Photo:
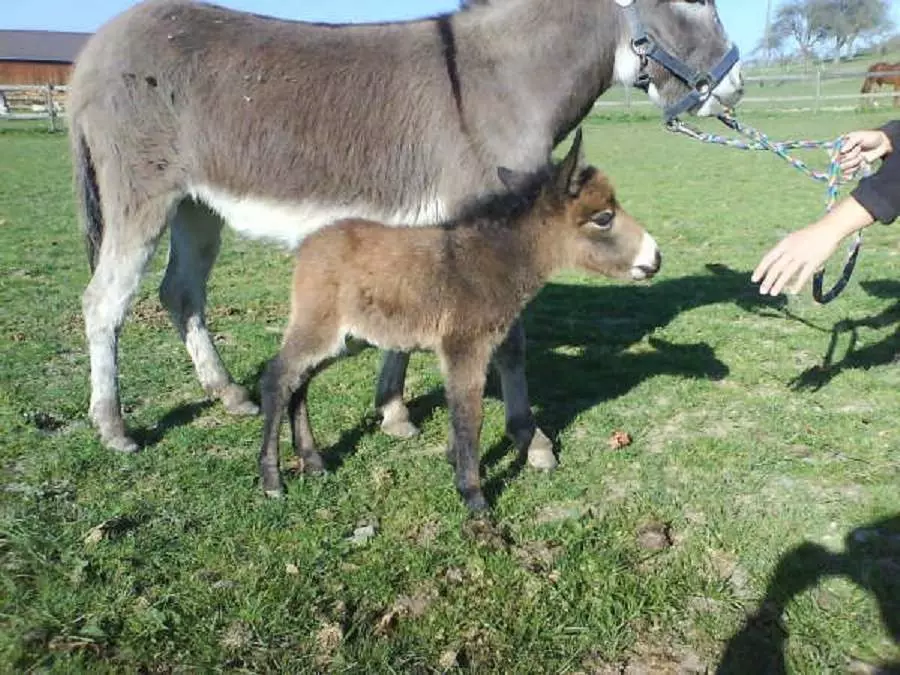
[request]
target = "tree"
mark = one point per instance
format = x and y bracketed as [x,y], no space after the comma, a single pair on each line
[804,22]
[846,21]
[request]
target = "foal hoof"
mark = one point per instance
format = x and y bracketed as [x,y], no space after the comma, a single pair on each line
[476,502]
[121,444]
[540,452]
[311,464]
[275,494]
[237,401]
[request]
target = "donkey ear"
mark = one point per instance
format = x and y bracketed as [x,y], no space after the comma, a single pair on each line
[514,181]
[570,167]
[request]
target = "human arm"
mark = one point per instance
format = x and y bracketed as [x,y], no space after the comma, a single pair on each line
[879,193]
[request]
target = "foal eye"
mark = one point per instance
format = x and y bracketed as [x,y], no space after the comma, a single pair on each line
[603,219]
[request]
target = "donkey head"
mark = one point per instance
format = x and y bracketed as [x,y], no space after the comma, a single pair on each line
[678,52]
[590,229]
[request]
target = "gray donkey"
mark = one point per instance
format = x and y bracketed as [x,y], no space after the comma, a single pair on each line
[463,285]
[190,116]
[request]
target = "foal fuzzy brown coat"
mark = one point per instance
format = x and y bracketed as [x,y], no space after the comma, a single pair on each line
[454,289]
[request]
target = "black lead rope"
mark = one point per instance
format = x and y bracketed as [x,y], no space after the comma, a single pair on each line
[841,283]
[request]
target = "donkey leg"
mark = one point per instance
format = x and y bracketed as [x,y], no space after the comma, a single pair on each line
[196,236]
[464,371]
[123,256]
[389,396]
[509,360]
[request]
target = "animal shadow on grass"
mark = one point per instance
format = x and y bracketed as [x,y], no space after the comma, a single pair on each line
[178,416]
[871,560]
[578,341]
[878,354]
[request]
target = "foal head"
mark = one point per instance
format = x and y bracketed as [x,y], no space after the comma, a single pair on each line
[588,229]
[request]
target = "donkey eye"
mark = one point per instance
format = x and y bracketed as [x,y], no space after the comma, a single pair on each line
[603,219]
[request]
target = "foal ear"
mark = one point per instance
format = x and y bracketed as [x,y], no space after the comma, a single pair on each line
[570,167]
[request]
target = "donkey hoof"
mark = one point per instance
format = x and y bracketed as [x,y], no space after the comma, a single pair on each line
[400,429]
[237,401]
[121,444]
[277,493]
[540,452]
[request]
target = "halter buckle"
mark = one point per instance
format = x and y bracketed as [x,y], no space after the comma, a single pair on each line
[642,45]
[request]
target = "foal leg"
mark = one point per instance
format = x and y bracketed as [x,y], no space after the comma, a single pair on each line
[464,369]
[126,247]
[301,431]
[521,428]
[389,396]
[196,236]
[287,378]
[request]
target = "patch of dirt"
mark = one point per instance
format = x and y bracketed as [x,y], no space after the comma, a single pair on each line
[539,556]
[327,639]
[449,660]
[424,532]
[655,536]
[619,440]
[727,568]
[406,606]
[554,513]
[150,312]
[649,659]
[484,532]
[236,637]
[44,421]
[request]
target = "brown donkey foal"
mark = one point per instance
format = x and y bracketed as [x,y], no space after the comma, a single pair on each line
[454,288]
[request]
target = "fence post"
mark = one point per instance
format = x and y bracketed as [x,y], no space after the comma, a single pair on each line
[51,108]
[818,104]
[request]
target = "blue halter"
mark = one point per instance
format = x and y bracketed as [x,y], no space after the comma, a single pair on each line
[701,85]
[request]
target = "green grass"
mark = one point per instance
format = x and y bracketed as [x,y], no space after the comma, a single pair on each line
[751,463]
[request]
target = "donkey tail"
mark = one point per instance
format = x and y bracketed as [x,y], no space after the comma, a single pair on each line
[88,195]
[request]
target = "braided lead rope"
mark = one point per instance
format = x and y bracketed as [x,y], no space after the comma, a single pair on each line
[832,178]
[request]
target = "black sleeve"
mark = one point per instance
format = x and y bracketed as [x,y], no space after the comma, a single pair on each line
[879,194]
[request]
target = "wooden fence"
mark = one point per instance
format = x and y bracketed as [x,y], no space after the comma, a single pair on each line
[818,90]
[33,102]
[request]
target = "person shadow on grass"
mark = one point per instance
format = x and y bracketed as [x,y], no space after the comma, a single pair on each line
[871,560]
[879,353]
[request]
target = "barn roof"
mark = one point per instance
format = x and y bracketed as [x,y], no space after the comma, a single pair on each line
[40,45]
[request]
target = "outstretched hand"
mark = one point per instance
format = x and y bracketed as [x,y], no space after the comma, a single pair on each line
[797,257]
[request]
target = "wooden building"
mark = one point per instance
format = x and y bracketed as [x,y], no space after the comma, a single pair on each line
[38,56]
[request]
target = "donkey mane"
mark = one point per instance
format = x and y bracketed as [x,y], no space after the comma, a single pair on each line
[506,208]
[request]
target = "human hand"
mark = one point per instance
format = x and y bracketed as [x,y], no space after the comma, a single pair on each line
[796,257]
[801,253]
[861,147]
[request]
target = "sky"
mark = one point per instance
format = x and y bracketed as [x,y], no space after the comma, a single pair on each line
[744,19]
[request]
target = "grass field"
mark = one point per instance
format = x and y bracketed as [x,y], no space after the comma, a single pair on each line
[753,523]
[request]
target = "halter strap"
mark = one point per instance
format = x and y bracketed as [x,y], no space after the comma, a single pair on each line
[701,84]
